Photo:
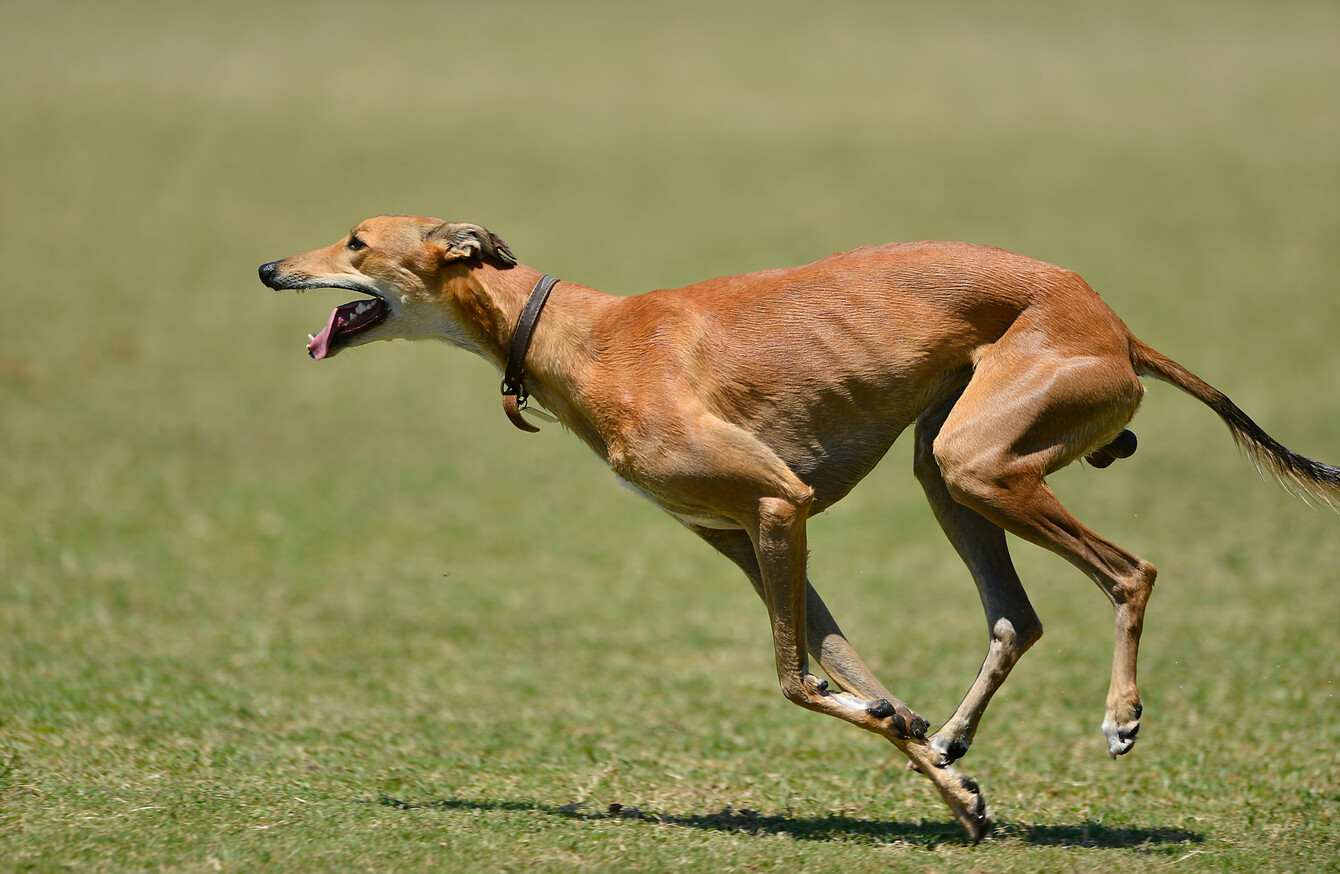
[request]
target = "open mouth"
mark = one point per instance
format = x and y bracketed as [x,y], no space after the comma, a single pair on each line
[346,321]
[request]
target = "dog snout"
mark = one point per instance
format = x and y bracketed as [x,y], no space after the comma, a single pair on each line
[268,271]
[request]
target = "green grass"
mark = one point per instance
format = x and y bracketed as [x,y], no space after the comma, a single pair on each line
[263,614]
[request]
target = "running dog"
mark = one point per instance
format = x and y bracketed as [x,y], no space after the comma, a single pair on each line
[744,405]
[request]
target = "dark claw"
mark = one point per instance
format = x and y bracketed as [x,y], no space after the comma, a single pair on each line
[971,785]
[919,726]
[881,709]
[1139,710]
[900,726]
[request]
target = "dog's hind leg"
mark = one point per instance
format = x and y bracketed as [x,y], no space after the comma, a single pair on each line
[1011,623]
[1030,409]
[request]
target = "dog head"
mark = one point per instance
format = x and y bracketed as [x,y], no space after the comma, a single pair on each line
[400,263]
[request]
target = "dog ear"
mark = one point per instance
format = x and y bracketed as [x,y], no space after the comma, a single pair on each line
[462,241]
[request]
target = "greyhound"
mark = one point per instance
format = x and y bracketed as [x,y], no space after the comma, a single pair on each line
[744,405]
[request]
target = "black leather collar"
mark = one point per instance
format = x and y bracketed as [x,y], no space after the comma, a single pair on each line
[513,385]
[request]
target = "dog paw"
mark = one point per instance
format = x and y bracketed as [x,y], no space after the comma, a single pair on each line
[1122,733]
[815,685]
[968,805]
[950,748]
[977,819]
[906,724]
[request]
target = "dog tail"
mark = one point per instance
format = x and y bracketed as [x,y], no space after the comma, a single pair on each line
[1296,473]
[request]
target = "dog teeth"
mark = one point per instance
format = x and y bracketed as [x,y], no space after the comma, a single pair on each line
[363,307]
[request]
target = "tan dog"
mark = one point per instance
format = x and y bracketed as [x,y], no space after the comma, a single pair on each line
[743,405]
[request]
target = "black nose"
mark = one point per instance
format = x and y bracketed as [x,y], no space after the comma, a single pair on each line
[268,271]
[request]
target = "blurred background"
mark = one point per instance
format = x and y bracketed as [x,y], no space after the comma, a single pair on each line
[195,518]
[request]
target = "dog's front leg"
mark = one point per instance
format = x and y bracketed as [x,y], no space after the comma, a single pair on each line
[779,542]
[840,661]
[824,639]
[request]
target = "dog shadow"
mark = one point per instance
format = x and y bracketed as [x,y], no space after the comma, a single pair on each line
[836,827]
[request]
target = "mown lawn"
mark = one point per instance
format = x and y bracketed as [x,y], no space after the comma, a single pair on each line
[258,613]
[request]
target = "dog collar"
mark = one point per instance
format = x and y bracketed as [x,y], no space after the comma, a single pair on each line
[514,391]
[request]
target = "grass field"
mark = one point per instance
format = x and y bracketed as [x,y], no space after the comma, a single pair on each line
[261,614]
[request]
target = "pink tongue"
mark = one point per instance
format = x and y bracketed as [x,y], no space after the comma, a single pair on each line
[320,346]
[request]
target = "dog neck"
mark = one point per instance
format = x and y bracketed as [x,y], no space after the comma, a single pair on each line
[561,347]
[514,391]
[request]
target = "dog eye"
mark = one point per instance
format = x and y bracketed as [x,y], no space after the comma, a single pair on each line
[355,245]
